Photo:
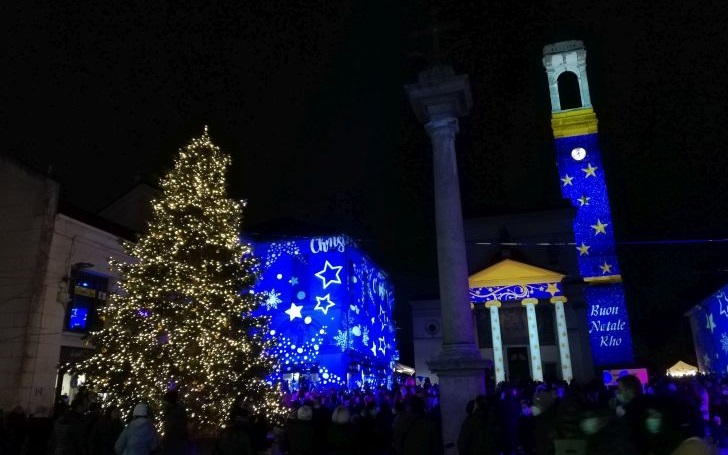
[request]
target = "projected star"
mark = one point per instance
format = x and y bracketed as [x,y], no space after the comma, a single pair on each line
[294,311]
[599,228]
[706,360]
[552,289]
[606,268]
[293,281]
[382,346]
[583,249]
[567,179]
[584,200]
[327,300]
[325,274]
[590,171]
[710,325]
[722,298]
[374,348]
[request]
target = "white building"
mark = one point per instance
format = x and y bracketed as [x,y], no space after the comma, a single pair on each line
[53,274]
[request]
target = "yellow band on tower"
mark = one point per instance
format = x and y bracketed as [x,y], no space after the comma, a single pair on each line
[574,122]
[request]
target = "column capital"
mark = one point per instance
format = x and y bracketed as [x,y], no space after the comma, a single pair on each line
[529,301]
[559,298]
[447,125]
[493,303]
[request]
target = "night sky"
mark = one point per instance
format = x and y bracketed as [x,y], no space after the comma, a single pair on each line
[307,97]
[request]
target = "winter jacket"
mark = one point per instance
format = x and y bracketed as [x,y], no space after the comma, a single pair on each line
[138,438]
[69,437]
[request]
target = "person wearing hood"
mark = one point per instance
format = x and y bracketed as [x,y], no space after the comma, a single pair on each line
[139,437]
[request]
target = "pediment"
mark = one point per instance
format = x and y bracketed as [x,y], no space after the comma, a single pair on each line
[510,272]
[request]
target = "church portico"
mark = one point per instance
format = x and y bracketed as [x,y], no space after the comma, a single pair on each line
[523,324]
[521,287]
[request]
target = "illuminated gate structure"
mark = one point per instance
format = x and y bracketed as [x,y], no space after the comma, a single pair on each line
[330,310]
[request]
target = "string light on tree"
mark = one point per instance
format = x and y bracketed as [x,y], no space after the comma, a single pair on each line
[183,318]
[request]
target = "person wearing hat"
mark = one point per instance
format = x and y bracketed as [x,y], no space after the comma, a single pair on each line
[139,437]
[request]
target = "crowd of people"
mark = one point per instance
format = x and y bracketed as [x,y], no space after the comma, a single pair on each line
[666,417]
[82,427]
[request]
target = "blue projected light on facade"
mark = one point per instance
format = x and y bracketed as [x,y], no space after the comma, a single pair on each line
[709,326]
[608,324]
[330,311]
[77,318]
[583,183]
[515,292]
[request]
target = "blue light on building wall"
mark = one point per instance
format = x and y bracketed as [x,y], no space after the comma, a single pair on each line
[709,326]
[330,311]
[77,318]
[583,183]
[608,325]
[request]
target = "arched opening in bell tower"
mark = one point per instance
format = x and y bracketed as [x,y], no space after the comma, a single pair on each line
[569,93]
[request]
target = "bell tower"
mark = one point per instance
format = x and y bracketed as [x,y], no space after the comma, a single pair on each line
[582,182]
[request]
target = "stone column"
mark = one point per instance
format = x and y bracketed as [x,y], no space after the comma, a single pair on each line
[536,370]
[495,331]
[564,354]
[438,99]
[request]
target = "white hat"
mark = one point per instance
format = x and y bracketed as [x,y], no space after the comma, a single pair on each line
[140,410]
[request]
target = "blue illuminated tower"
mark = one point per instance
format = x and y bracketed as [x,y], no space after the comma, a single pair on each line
[582,181]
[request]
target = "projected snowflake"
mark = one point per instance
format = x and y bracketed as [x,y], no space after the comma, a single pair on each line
[272,299]
[337,311]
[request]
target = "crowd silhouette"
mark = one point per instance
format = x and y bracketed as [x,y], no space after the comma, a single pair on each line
[669,416]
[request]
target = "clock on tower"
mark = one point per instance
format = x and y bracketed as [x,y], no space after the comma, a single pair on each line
[582,181]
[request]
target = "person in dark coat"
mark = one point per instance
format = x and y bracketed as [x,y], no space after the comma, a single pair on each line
[235,439]
[543,411]
[630,410]
[414,433]
[105,432]
[476,432]
[16,429]
[301,433]
[176,440]
[341,435]
[68,437]
[40,427]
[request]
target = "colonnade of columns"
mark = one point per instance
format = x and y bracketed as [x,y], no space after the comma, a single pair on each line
[533,341]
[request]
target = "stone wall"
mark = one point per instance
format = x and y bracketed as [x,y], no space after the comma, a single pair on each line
[28,203]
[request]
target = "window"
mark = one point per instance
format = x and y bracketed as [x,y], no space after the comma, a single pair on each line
[88,292]
[569,93]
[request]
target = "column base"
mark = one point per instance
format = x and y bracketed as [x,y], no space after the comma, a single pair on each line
[460,370]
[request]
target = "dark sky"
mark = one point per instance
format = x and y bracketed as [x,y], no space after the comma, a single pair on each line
[307,97]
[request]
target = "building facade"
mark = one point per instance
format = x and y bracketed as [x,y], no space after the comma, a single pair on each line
[558,310]
[54,273]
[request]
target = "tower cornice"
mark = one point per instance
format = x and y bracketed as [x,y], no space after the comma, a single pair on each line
[574,122]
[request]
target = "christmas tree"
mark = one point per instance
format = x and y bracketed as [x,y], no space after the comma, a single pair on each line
[182,316]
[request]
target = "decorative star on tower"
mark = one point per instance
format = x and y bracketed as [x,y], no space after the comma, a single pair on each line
[567,179]
[325,274]
[583,200]
[324,309]
[294,311]
[590,170]
[599,228]
[606,268]
[583,249]
[710,325]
